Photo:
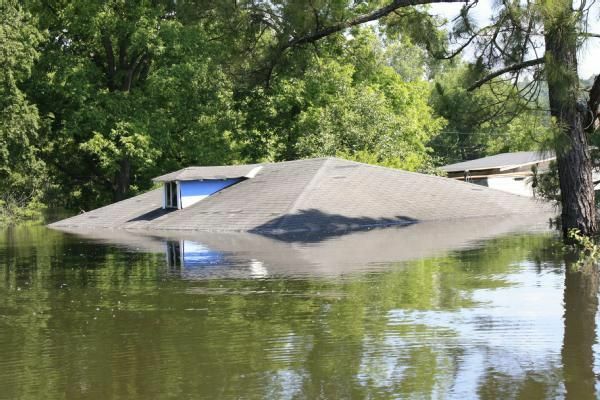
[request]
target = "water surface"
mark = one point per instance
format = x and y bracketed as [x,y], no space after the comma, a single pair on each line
[431,312]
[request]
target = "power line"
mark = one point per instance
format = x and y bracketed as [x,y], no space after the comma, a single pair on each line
[492,133]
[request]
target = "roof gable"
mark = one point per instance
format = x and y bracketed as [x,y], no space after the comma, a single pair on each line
[205,173]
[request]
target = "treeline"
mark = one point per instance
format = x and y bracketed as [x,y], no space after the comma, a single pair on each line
[98,96]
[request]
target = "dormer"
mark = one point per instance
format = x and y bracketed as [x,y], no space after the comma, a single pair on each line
[188,186]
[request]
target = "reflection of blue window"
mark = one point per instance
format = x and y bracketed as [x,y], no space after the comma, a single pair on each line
[174,254]
[197,255]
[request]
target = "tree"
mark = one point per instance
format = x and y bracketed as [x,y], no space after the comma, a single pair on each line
[348,101]
[507,47]
[22,173]
[134,88]
[484,122]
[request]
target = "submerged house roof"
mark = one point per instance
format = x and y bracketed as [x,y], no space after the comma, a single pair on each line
[501,162]
[322,194]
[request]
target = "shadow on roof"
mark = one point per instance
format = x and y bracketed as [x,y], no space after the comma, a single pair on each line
[312,225]
[152,215]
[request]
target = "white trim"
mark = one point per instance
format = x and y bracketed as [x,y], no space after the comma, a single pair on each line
[169,187]
[253,172]
[507,167]
[164,205]
[178,195]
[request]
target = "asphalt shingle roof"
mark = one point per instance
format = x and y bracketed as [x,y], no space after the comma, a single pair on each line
[196,173]
[503,161]
[324,194]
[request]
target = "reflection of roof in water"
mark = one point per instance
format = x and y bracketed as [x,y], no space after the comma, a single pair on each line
[315,195]
[334,255]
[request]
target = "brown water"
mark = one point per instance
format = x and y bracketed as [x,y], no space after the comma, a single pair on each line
[251,317]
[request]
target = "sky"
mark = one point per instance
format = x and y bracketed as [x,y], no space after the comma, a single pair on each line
[589,56]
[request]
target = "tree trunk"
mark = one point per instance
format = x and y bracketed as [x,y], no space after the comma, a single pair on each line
[123,179]
[573,155]
[576,185]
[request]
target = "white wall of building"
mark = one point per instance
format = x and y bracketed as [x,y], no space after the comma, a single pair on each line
[510,184]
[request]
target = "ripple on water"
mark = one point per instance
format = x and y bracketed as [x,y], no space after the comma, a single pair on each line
[352,317]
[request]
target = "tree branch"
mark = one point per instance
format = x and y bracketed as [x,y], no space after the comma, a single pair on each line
[449,56]
[361,19]
[110,59]
[122,53]
[320,33]
[589,34]
[510,68]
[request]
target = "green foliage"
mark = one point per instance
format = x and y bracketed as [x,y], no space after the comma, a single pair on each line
[586,250]
[359,109]
[491,120]
[123,142]
[525,132]
[22,172]
[392,126]
[546,185]
[134,93]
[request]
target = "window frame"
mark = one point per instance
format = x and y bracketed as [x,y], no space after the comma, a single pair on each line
[171,195]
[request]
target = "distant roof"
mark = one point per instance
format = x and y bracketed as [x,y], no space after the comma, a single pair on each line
[503,161]
[200,173]
[320,194]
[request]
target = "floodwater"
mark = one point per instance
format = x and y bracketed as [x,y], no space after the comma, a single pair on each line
[462,310]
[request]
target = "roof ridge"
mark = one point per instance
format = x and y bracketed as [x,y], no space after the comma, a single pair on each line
[303,194]
[501,160]
[429,176]
[219,166]
[537,152]
[435,177]
[252,164]
[301,160]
